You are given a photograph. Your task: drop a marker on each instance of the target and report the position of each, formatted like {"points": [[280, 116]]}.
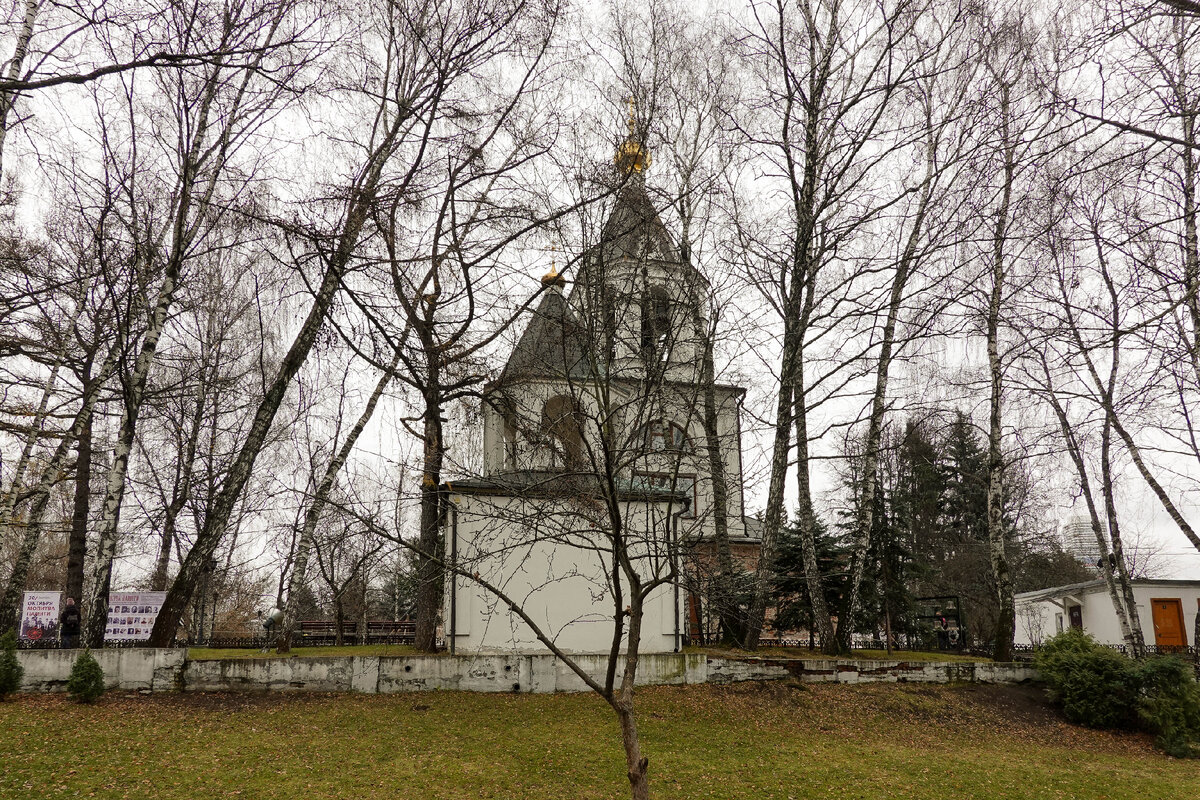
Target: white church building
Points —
{"points": [[597, 481]]}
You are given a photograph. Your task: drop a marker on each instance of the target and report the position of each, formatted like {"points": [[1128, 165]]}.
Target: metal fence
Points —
{"points": [[242, 642], [908, 646], [1022, 651]]}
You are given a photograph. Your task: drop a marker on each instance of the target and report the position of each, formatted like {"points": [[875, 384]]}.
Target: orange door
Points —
{"points": [[1168, 623]]}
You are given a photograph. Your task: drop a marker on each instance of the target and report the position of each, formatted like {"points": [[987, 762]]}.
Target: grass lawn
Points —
{"points": [[745, 741], [857, 655], [210, 653]]}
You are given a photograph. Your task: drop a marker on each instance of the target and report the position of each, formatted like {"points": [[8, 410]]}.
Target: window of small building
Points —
{"points": [[508, 437], [504, 407], [608, 303]]}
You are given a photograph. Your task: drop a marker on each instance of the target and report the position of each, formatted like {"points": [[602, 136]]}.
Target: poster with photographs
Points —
{"points": [[131, 615], [39, 616]]}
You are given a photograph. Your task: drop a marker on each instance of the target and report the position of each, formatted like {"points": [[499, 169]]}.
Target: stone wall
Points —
{"points": [[721, 670], [148, 669], [141, 668]]}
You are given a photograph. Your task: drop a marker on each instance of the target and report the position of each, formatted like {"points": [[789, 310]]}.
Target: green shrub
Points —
{"points": [[1072, 640], [86, 683], [10, 669], [1170, 704], [1096, 686], [1101, 688]]}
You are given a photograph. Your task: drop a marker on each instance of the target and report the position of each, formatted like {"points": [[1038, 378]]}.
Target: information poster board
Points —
{"points": [[39, 616], [131, 615]]}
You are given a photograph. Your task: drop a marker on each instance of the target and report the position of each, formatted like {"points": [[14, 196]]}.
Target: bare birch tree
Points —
{"points": [[426, 53], [826, 135], [218, 109]]}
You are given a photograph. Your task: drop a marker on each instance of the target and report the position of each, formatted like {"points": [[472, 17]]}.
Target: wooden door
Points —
{"points": [[1076, 615], [1168, 623]]}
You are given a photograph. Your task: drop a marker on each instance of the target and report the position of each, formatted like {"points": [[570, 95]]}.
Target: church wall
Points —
{"points": [[626, 283], [677, 405], [543, 554]]}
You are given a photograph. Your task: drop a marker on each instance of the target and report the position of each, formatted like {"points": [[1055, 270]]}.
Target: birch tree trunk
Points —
{"points": [[227, 497], [189, 215], [1107, 401], [791, 407], [866, 503], [1085, 486], [1137, 639], [51, 474], [12, 71], [724, 597], [17, 485], [93, 634], [997, 540], [806, 519], [428, 570], [1191, 241], [182, 491], [81, 511]]}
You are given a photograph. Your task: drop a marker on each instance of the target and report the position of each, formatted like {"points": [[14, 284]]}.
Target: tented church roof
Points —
{"points": [[552, 344]]}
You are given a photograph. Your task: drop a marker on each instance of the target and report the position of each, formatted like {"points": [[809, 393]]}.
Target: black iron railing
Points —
{"points": [[1026, 650]]}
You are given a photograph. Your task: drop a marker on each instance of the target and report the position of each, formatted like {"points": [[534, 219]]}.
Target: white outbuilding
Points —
{"points": [[1166, 608]]}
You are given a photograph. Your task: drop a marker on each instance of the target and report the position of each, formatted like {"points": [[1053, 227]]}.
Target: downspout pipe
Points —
{"points": [[449, 509], [452, 509], [687, 505]]}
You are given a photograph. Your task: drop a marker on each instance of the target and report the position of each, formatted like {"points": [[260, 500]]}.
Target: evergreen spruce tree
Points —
{"points": [[965, 467], [917, 503], [890, 567], [11, 670], [86, 683], [793, 609]]}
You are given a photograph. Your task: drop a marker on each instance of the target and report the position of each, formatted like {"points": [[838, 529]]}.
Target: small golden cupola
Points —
{"points": [[554, 277], [633, 156]]}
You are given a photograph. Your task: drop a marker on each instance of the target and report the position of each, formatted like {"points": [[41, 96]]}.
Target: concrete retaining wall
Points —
{"points": [[721, 670], [159, 670], [142, 668]]}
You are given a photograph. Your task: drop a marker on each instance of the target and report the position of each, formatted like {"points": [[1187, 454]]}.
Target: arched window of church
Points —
{"points": [[656, 323], [562, 423], [662, 436], [608, 304], [509, 439], [506, 409]]}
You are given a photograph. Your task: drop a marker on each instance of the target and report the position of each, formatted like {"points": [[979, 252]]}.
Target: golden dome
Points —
{"points": [[632, 154]]}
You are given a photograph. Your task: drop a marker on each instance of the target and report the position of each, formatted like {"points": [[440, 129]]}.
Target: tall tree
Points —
{"points": [[428, 54], [217, 110]]}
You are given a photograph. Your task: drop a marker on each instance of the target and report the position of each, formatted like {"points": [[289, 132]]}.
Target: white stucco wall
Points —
{"points": [[547, 556], [682, 406], [1099, 618]]}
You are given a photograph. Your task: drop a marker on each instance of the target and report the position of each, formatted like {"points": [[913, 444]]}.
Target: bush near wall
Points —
{"points": [[1101, 688], [86, 683]]}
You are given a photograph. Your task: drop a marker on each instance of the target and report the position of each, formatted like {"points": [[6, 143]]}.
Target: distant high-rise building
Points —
{"points": [[1080, 540]]}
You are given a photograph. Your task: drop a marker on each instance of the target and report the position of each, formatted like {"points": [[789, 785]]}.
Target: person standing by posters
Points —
{"points": [[69, 624]]}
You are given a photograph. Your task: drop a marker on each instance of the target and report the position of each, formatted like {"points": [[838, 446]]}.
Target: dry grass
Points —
{"points": [[743, 741]]}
